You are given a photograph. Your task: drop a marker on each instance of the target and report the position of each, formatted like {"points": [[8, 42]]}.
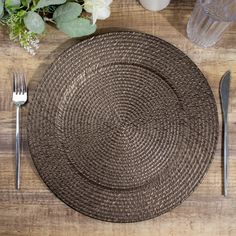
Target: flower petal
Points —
{"points": [[107, 2], [88, 6], [98, 8], [103, 13]]}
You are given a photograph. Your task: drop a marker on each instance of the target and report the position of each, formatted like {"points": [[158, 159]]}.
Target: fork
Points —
{"points": [[19, 97]]}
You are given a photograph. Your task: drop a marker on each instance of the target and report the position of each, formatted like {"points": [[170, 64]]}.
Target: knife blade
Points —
{"points": [[224, 95]]}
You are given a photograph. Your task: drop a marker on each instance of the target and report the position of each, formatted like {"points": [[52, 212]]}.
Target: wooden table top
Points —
{"points": [[35, 211]]}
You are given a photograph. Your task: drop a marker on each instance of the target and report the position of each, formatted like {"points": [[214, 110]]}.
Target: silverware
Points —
{"points": [[224, 94], [19, 97]]}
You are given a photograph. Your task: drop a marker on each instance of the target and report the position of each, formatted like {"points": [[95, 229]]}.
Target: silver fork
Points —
{"points": [[19, 97]]}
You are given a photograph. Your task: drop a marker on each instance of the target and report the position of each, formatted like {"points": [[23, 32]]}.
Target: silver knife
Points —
{"points": [[224, 94]]}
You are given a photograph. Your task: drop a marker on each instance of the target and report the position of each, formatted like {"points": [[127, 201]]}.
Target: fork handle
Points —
{"points": [[18, 147]]}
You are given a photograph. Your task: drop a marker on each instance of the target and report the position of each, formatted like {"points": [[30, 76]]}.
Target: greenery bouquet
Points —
{"points": [[26, 18]]}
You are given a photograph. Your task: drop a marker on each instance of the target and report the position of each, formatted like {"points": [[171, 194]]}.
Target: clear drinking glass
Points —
{"points": [[209, 20]]}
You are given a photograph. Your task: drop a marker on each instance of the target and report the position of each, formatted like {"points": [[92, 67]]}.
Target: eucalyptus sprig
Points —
{"points": [[26, 18]]}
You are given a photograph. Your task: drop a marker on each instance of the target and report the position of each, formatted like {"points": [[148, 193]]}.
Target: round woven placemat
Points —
{"points": [[122, 127]]}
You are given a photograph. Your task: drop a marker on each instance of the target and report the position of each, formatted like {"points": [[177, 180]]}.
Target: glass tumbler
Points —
{"points": [[209, 20]]}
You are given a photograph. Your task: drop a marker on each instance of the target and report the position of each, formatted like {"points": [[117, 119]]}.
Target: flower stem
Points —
{"points": [[49, 19]]}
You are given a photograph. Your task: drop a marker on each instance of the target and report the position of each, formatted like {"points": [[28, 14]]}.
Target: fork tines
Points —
{"points": [[19, 83]]}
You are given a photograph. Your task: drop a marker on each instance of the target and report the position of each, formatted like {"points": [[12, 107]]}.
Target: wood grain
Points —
{"points": [[34, 211]]}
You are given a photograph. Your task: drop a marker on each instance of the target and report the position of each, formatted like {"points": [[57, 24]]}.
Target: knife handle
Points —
{"points": [[225, 156]]}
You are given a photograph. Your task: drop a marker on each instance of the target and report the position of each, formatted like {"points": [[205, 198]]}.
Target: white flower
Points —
{"points": [[35, 43], [30, 50], [100, 9], [31, 45]]}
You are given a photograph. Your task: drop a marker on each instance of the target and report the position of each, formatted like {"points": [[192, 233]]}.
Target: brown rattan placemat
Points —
{"points": [[122, 127]]}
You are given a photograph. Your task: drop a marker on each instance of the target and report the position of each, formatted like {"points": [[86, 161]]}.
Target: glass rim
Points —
{"points": [[228, 19]]}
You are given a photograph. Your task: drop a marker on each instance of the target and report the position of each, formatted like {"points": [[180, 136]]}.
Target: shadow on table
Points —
{"points": [[180, 11]]}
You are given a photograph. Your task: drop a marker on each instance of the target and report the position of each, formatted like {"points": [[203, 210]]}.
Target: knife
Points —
{"points": [[224, 94]]}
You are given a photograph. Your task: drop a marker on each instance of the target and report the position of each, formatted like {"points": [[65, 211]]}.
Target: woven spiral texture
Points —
{"points": [[122, 127]]}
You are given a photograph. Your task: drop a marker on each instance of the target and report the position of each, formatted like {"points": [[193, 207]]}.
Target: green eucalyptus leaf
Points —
{"points": [[1, 9], [45, 3], [67, 12], [34, 22], [12, 4], [77, 28]]}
